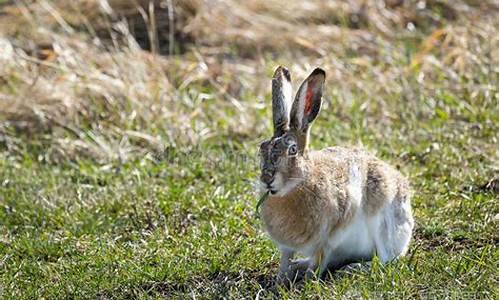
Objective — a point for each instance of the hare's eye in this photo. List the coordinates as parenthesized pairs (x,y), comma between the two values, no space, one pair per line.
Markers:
(292,150)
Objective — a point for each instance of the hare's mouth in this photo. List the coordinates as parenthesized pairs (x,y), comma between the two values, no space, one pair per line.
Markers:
(269,187)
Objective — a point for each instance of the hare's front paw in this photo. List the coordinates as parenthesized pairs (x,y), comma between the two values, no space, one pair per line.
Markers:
(294,272)
(299,266)
(302,269)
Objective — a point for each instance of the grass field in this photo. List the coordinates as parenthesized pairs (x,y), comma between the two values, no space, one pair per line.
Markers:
(129,135)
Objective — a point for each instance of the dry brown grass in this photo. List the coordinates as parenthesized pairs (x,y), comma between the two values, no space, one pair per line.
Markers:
(76,79)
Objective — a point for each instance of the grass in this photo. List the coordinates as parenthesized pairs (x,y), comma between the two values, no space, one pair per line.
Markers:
(129,174)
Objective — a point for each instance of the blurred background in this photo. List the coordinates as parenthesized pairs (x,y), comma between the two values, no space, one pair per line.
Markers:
(108,80)
(129,130)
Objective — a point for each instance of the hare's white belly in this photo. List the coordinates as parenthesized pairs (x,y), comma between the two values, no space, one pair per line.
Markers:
(353,242)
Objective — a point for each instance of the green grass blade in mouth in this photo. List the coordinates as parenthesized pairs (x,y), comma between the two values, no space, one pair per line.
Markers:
(261,200)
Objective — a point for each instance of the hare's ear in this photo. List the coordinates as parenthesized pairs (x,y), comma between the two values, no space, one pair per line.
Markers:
(307,102)
(307,105)
(282,100)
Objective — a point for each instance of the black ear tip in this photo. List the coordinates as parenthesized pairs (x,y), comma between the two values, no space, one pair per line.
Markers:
(282,70)
(319,71)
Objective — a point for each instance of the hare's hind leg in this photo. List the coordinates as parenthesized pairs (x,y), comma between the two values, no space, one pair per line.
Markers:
(395,225)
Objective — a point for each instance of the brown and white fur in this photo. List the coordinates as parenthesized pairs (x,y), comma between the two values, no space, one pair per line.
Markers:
(334,206)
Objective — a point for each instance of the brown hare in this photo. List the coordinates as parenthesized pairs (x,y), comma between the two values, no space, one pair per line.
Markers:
(334,206)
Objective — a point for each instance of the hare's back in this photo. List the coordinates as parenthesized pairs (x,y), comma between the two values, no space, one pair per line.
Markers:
(346,156)
(378,181)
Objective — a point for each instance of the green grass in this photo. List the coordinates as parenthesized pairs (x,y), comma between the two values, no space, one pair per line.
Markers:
(126,175)
(183,225)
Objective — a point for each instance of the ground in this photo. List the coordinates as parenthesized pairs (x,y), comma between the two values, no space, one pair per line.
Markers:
(128,163)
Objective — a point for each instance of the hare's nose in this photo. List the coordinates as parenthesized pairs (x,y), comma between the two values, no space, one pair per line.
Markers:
(267,177)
